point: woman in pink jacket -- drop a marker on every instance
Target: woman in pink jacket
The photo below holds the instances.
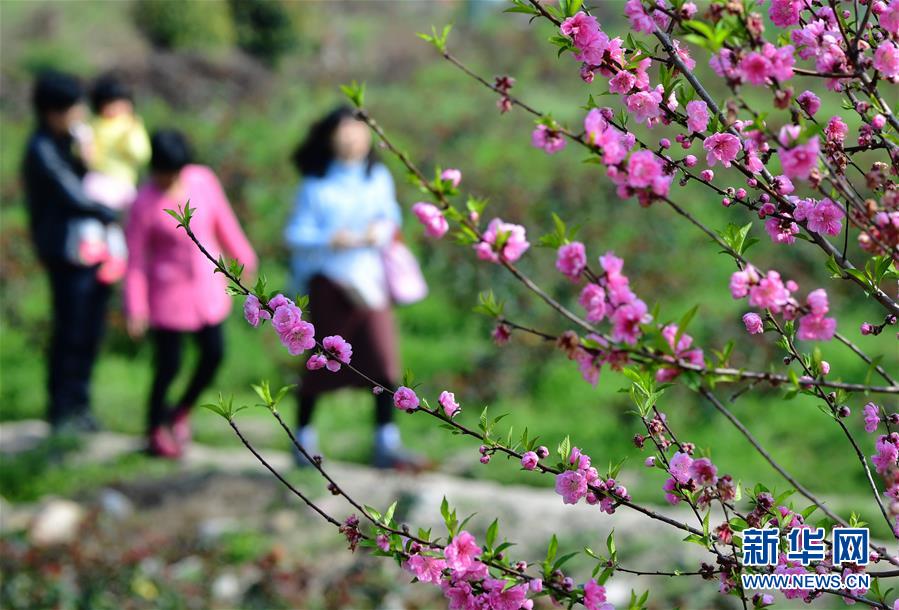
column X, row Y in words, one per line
column 170, row 286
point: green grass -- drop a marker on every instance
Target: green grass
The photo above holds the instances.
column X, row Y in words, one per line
column 439, row 117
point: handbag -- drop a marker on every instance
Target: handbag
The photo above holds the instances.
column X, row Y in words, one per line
column 405, row 282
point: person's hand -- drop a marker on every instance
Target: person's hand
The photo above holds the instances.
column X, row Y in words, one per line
column 344, row 239
column 137, row 328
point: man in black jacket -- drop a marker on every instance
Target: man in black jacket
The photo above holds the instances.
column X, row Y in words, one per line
column 56, row 204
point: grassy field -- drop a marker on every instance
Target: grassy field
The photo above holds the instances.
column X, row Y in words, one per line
column 245, row 119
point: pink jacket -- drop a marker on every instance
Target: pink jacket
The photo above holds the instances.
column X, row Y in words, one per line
column 169, row 282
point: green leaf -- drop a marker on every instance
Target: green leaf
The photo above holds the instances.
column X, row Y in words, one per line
column 355, row 93
column 491, row 533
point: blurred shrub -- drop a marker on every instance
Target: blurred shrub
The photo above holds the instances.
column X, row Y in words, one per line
column 175, row 24
column 264, row 29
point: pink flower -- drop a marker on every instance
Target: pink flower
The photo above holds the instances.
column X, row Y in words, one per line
column 426, row 568
column 622, row 82
column 644, row 105
column 253, row 312
column 627, row 319
column 872, row 417
column 383, row 542
column 454, row 176
column 594, row 595
column 571, row 259
column 825, row 218
column 593, row 300
column 784, row 13
column 278, row 300
column 703, row 472
column 889, row 18
column 286, row 317
column 722, row 147
column 886, row 59
column 739, row 284
column 550, row 140
column 679, row 467
column 641, row 20
column 645, row 170
column 886, row 455
column 316, row 361
column 670, row 486
column 571, row 485
column 817, row 302
column 430, row 216
column 809, row 102
column 769, row 293
column 753, row 323
column 781, row 231
column 755, row 68
column 799, row 161
column 338, row 350
column 697, row 116
column 447, row 400
column 586, row 35
column 404, row 398
column 816, row 328
column 594, row 125
column 502, row 241
column 836, row 129
column 460, row 554
column 529, row 460
column 299, row 338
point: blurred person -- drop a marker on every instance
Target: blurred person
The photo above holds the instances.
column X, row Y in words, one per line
column 345, row 214
column 170, row 286
column 58, row 207
column 117, row 150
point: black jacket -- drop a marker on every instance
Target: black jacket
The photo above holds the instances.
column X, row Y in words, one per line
column 54, row 193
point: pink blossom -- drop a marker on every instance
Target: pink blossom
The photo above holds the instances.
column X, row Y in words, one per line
column 529, row 460
column 426, row 568
column 722, row 147
column 825, row 218
column 585, row 33
column 816, row 328
column 799, row 161
column 594, row 596
column 703, row 472
column 644, row 105
column 836, row 129
column 872, row 417
column 886, row 59
column 886, row 455
column 383, row 542
column 781, row 231
column 550, row 140
column 447, row 400
column 817, row 302
column 645, row 170
column 460, row 554
column 405, row 398
column 809, row 102
column 641, row 20
column 498, row 597
column 697, row 116
column 253, row 312
column 784, row 13
column 278, row 300
column 571, row 485
column 339, row 351
column 889, row 18
column 755, row 68
column 626, row 321
column 594, row 125
column 593, row 300
column 670, row 486
column 740, row 282
column 724, row 65
column 622, row 82
column 571, row 259
column 452, row 175
column 753, row 323
column 684, row 54
column 769, row 293
column 286, row 317
column 316, row 361
column 298, row 338
column 430, row 216
column 679, row 467
column 510, row 239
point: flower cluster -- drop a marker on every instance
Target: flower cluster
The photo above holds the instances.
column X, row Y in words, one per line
column 502, row 241
column 433, row 220
column 295, row 334
column 581, row 480
column 337, row 351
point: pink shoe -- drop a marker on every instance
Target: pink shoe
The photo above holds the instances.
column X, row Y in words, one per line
column 162, row 444
column 181, row 427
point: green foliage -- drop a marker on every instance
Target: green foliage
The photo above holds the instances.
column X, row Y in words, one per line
column 173, row 24
column 263, row 28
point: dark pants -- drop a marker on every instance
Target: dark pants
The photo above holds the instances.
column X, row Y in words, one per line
column 79, row 319
column 167, row 363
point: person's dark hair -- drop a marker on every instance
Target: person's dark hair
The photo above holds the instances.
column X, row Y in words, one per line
column 313, row 156
column 109, row 88
column 56, row 92
column 171, row 151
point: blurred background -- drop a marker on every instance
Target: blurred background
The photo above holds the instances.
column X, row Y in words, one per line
column 244, row 79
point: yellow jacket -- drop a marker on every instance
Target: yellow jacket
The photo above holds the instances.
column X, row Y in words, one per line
column 121, row 146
